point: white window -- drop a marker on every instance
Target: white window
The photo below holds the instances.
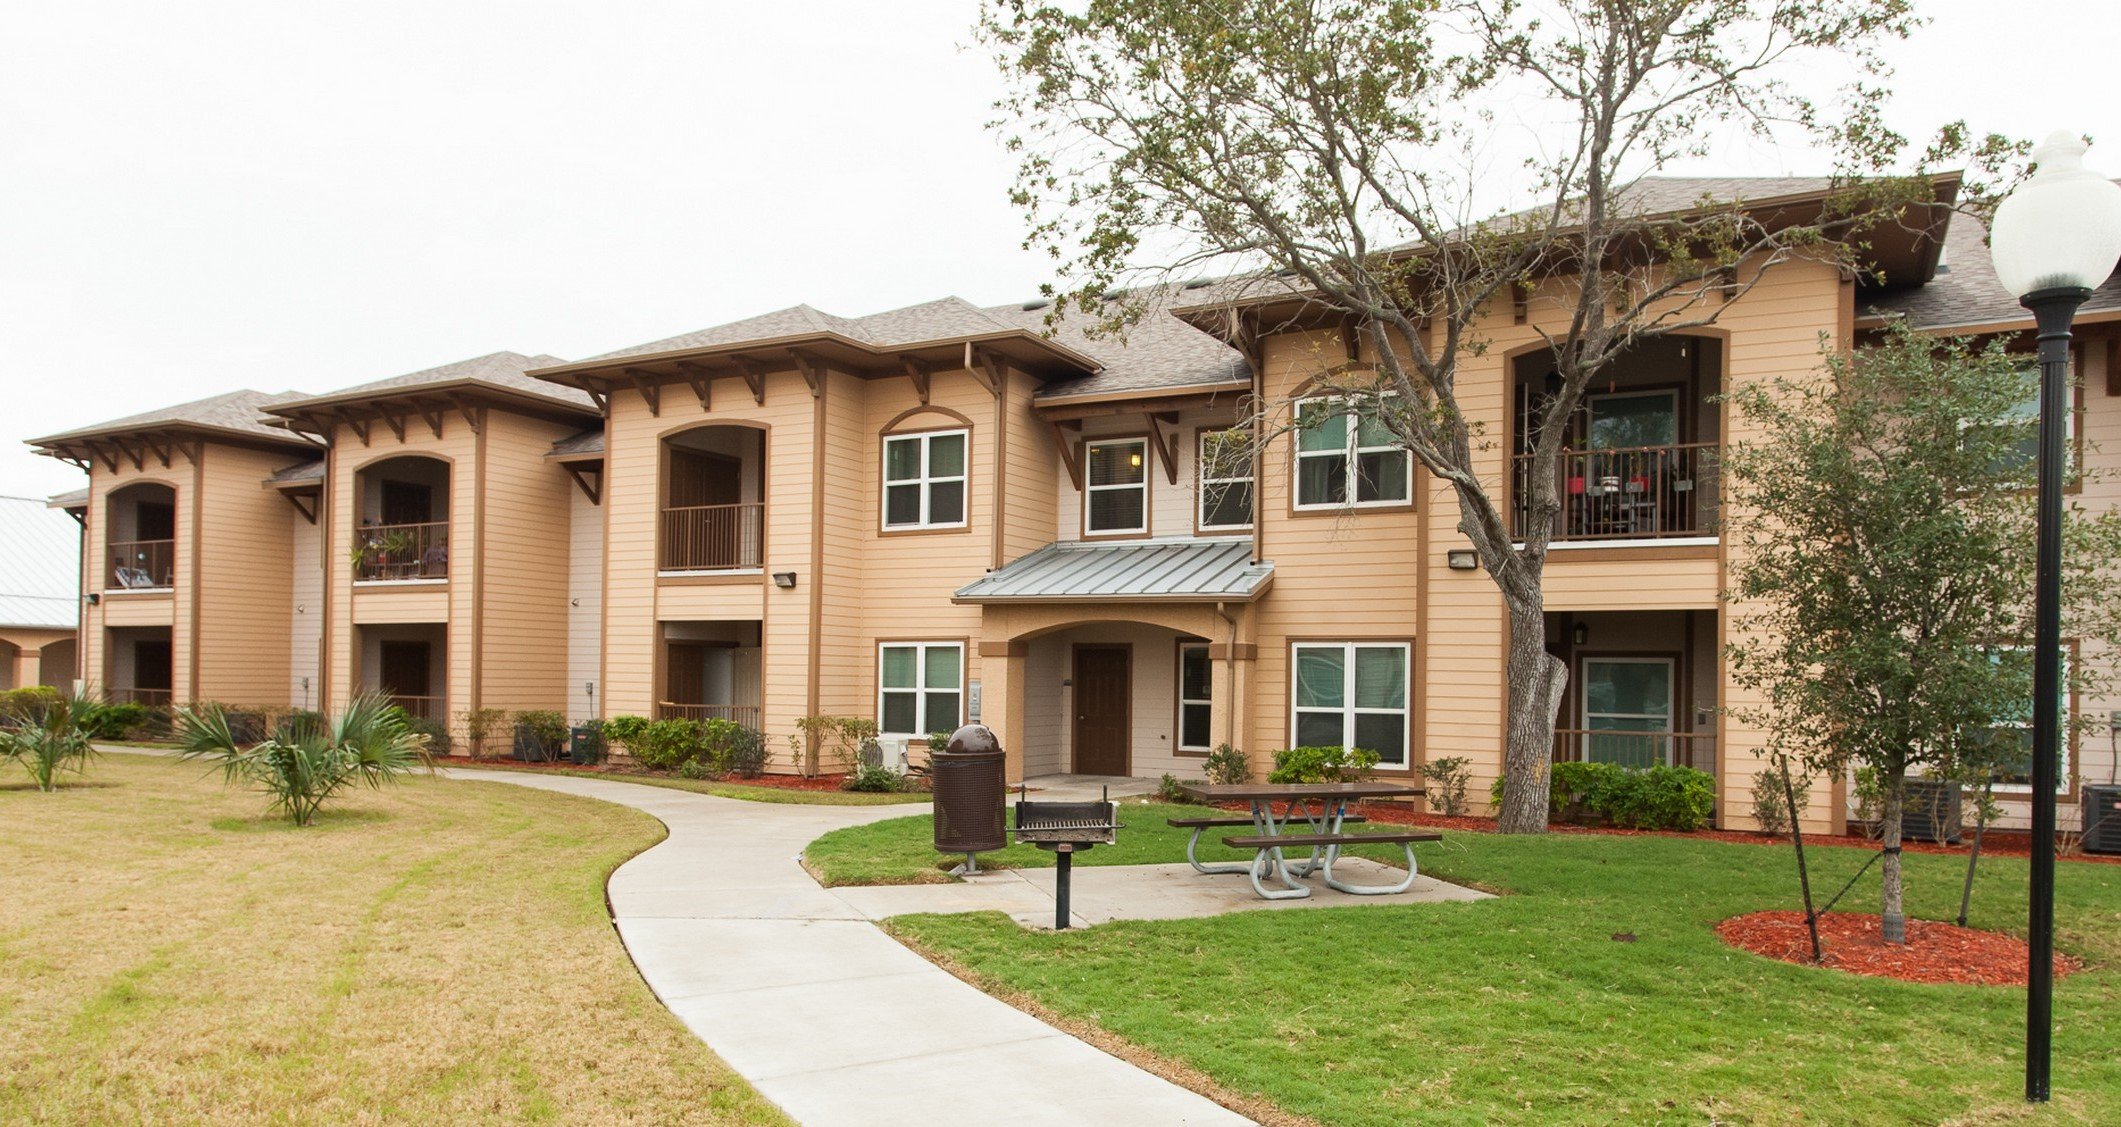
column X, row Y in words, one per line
column 1345, row 457
column 1195, row 698
column 1627, row 710
column 1224, row 467
column 2016, row 773
column 1116, row 489
column 920, row 686
column 1353, row 695
column 924, row 480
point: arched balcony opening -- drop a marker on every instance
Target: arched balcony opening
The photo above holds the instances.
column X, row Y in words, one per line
column 140, row 538
column 401, row 521
column 713, row 511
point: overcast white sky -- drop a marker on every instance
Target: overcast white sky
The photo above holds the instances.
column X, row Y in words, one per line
column 204, row 196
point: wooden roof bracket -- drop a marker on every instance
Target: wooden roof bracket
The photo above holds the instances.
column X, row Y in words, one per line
column 1071, row 453
column 1166, row 450
column 1521, row 302
column 358, row 426
column 651, row 391
column 308, row 511
column 813, row 371
column 103, row 455
column 599, row 396
column 138, row 453
column 161, row 452
column 701, row 381
column 1351, row 339
column 754, row 377
column 396, row 423
column 193, row 450
column 464, row 408
column 989, row 370
column 433, row 415
column 580, row 472
column 919, row 374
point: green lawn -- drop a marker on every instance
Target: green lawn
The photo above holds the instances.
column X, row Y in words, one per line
column 1527, row 1010
column 436, row 952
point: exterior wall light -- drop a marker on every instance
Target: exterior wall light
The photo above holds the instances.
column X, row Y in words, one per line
column 1462, row 559
column 785, row 580
column 1583, row 634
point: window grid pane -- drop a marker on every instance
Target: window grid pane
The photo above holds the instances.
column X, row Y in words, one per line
column 924, row 479
column 1353, row 695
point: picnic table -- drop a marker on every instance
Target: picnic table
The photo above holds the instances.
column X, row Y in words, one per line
column 1323, row 809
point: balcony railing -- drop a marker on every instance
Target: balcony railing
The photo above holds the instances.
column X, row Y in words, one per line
column 421, row 708
column 386, row 553
column 142, row 565
column 152, row 698
column 712, row 537
column 1635, row 749
column 745, row 714
column 1639, row 493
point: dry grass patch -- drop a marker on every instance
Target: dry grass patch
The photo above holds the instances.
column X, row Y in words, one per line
column 434, row 952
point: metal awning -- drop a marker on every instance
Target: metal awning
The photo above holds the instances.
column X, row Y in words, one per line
column 1175, row 570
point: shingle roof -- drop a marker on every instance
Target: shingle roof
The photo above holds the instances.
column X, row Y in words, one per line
column 40, row 565
column 942, row 319
column 71, row 499
column 495, row 369
column 796, row 320
column 301, row 473
column 1965, row 291
column 580, row 443
column 1137, row 569
column 236, row 412
column 1159, row 351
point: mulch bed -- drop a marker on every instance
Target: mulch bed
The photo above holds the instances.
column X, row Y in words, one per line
column 781, row 782
column 1934, row 952
column 1996, row 843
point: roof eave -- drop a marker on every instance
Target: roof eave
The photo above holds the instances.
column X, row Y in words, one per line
column 294, row 409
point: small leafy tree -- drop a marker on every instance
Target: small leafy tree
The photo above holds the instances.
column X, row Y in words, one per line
column 834, row 741
column 1447, row 779
column 370, row 743
column 1885, row 586
column 51, row 737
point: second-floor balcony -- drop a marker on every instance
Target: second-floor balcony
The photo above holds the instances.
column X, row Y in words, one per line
column 1632, row 493
column 712, row 537
column 389, row 553
column 142, row 565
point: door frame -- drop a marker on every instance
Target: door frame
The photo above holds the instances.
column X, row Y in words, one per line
column 1075, row 731
column 1676, row 687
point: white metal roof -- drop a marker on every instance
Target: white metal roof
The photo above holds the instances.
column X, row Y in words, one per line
column 40, row 565
column 1162, row 570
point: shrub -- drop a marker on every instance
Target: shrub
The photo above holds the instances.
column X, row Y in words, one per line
column 28, row 703
column 696, row 769
column 371, row 742
column 1447, row 779
column 1321, row 765
column 720, row 741
column 1655, row 798
column 1227, row 766
column 289, row 724
column 483, row 724
column 1167, row 790
column 838, row 740
column 747, row 753
column 436, row 732
column 939, row 741
column 540, row 734
column 874, row 779
column 667, row 744
column 1771, row 803
column 49, row 742
column 117, row 721
column 624, row 729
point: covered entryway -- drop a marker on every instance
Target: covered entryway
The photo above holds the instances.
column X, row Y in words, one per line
column 1104, row 710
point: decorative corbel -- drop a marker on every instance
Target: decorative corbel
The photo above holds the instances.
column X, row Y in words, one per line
column 1521, row 302
column 754, row 377
column 919, row 374
column 433, row 415
column 469, row 413
column 1166, row 450
column 161, row 452
column 580, row 475
column 701, row 381
column 308, row 511
column 1071, row 454
column 651, row 391
column 813, row 372
column 988, row 369
column 358, row 426
column 396, row 423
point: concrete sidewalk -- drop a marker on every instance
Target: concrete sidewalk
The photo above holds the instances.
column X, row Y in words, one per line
column 826, row 1015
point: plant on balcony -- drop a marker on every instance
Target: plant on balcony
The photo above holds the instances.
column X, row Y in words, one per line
column 1885, row 591
column 1299, row 141
column 51, row 739
column 368, row 744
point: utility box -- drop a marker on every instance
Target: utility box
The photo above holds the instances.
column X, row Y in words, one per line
column 2101, row 810
column 1931, row 812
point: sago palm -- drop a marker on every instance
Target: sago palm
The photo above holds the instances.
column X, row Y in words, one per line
column 53, row 738
column 371, row 742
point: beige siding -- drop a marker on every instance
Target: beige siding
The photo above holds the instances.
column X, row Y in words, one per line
column 522, row 552
column 246, row 595
column 305, row 638
column 585, row 601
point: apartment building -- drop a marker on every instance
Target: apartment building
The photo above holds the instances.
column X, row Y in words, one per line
column 951, row 512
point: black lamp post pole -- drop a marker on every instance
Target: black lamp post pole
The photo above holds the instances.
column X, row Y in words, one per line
column 2052, row 309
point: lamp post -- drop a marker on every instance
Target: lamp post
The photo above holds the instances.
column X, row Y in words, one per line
column 2053, row 240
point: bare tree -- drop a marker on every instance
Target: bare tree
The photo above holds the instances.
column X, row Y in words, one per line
column 1331, row 152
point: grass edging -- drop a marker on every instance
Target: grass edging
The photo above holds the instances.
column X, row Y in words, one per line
column 1256, row 1108
column 717, row 788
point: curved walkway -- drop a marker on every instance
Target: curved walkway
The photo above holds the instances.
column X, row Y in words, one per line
column 825, row 1014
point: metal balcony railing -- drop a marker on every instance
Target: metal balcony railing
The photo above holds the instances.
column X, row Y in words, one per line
column 1639, row 493
column 745, row 714
column 152, row 698
column 142, row 565
column 712, row 537
column 421, row 708
column 394, row 552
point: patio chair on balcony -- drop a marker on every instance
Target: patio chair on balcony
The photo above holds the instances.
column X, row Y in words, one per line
column 133, row 578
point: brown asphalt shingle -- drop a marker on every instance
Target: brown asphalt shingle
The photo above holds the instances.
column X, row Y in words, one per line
column 236, row 411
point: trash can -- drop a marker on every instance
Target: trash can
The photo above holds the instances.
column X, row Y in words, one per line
column 970, row 781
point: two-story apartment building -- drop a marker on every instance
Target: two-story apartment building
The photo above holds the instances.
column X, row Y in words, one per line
column 950, row 512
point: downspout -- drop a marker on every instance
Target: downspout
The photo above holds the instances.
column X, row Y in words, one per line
column 1229, row 665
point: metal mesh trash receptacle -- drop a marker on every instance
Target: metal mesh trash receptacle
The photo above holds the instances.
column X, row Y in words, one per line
column 970, row 781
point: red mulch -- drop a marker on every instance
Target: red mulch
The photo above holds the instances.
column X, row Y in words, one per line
column 783, row 782
column 1996, row 843
column 1934, row 952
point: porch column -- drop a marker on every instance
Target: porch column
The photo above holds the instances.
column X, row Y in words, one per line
column 1002, row 677
column 1229, row 719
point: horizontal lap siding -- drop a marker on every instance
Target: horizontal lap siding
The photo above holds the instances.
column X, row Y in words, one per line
column 121, row 610
column 843, row 686
column 523, row 602
column 1619, row 585
column 585, row 589
column 246, row 587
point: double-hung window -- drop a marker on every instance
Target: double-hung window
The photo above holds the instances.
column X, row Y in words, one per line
column 2014, row 732
column 1225, row 471
column 1195, row 697
column 1116, row 489
column 920, row 687
column 1345, row 457
column 924, row 480
column 1352, row 695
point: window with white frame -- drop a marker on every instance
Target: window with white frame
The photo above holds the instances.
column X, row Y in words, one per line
column 920, row 687
column 1116, row 486
column 1352, row 695
column 1195, row 697
column 1345, row 457
column 2015, row 732
column 924, row 480
column 1224, row 467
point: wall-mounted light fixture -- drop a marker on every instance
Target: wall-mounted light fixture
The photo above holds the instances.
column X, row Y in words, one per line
column 94, row 597
column 1462, row 559
column 1583, row 634
column 785, row 580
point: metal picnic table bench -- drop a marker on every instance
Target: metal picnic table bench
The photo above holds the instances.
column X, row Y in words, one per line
column 1272, row 833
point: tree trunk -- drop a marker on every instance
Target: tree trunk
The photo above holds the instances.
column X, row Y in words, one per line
column 1536, row 680
column 1893, row 915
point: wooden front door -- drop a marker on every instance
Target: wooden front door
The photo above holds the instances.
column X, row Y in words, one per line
column 402, row 669
column 1103, row 710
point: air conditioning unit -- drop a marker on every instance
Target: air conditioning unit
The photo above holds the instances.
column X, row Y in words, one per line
column 892, row 755
column 1931, row 812
column 2101, row 808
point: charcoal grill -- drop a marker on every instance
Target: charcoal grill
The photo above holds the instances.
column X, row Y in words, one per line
column 1065, row 829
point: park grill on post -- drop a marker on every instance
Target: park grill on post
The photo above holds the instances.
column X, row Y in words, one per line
column 1065, row 829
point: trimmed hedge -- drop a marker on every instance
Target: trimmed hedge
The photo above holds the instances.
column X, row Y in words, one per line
column 1321, row 765
column 1652, row 798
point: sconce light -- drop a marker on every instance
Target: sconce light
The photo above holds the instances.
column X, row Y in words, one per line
column 1134, row 460
column 1462, row 559
column 94, row 597
column 1583, row 634
column 589, row 689
column 785, row 580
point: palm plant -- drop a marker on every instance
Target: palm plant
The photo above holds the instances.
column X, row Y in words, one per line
column 50, row 739
column 371, row 742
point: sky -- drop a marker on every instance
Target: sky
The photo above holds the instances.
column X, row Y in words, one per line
column 205, row 196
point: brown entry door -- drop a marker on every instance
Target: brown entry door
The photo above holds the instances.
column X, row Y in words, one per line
column 1103, row 710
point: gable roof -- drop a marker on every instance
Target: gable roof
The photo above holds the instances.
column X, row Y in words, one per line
column 233, row 414
column 494, row 372
column 1157, row 353
column 1965, row 294
column 40, row 565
